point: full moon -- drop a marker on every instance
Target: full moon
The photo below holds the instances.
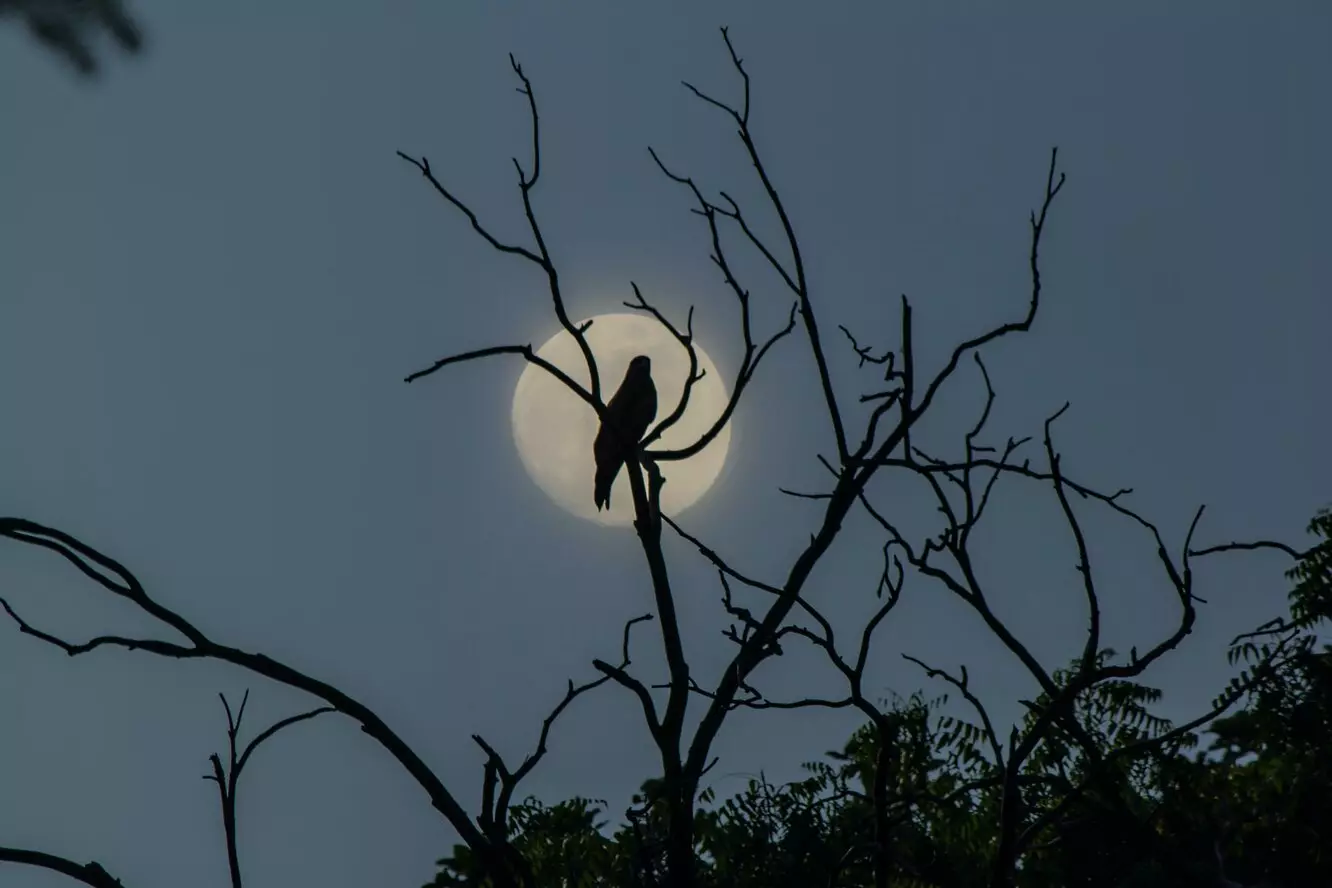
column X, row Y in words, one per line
column 554, row 428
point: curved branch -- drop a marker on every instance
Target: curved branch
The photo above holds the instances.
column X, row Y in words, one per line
column 92, row 873
column 540, row 258
column 1093, row 643
column 202, row 647
column 620, row 677
column 686, row 341
column 495, row 814
column 423, row 164
column 525, row 185
column 753, row 354
column 963, row 685
column 227, row 777
column 797, row 281
column 275, row 728
column 1052, row 189
column 750, row 366
column 1252, row 546
column 528, row 354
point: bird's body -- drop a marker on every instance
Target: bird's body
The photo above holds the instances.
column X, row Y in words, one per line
column 628, row 415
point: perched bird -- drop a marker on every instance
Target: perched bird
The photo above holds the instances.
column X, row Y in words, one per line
column 628, row 416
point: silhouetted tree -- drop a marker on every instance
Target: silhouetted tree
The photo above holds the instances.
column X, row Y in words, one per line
column 911, row 799
column 1252, row 808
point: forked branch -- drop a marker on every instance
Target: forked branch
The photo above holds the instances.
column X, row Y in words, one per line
column 227, row 777
column 753, row 352
column 686, row 341
column 498, row 776
column 1061, row 691
column 795, row 279
column 117, row 579
column 541, row 255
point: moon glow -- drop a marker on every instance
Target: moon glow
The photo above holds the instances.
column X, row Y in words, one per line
column 554, row 428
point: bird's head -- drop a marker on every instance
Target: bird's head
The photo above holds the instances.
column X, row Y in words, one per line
column 641, row 364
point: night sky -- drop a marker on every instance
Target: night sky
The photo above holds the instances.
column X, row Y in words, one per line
column 215, row 273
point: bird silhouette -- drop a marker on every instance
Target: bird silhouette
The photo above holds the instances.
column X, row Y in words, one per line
column 628, row 415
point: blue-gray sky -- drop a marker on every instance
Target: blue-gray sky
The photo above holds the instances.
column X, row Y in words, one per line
column 214, row 274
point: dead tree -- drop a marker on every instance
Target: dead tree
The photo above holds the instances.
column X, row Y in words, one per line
column 884, row 431
column 962, row 488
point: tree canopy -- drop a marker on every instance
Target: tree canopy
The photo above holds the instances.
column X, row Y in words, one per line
column 1248, row 802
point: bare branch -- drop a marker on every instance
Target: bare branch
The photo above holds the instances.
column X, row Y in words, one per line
column 758, row 701
column 227, row 777
column 1052, row 188
column 867, row 356
column 203, row 647
column 942, row 467
column 92, row 873
column 495, row 808
column 796, row 280
column 528, row 354
column 423, row 164
column 526, row 184
column 1250, row 546
column 541, row 257
column 572, row 693
column 273, row 729
column 741, row 383
column 686, row 340
column 753, row 353
column 899, row 397
column 962, row 683
column 1093, row 643
column 810, row 496
column 620, row 677
column 717, row 560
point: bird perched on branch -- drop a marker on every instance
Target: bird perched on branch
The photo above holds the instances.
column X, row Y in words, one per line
column 628, row 415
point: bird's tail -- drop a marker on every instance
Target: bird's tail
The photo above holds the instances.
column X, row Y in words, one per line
column 601, row 486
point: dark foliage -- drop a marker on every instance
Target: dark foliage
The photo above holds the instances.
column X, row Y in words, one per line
column 1253, row 807
column 73, row 28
